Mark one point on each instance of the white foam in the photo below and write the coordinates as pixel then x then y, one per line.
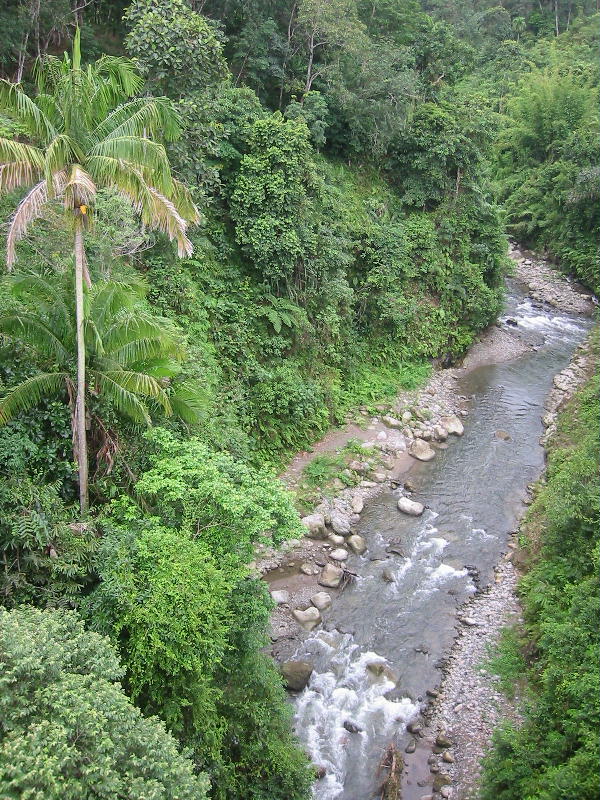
pixel 347 691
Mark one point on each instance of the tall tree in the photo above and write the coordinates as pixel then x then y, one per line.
pixel 132 356
pixel 85 132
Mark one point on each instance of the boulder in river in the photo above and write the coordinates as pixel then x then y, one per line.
pixel 352 727
pixel 453 425
pixel 308 619
pixel 421 450
pixel 411 507
pixel 321 600
pixel 315 526
pixel 388 575
pixel 296 674
pixel 331 576
pixel 357 544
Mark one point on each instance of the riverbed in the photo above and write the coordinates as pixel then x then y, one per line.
pixel 384 642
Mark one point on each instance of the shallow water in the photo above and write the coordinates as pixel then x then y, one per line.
pixel 380 647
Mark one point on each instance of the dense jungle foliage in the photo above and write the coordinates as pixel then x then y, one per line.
pixel 554 754
pixel 339 177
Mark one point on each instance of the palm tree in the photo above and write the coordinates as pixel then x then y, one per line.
pixel 132 356
pixel 84 132
pixel 519 25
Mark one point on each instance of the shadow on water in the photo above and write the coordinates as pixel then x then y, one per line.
pixel 383 641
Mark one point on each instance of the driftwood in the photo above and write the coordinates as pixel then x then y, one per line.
pixel 392 763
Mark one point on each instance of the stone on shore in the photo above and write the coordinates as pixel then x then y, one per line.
pixel 391 422
pixel 321 600
pixel 340 524
pixel 308 619
pixel 296 674
pixel 357 544
pixel 453 425
pixel 331 576
pixel 280 596
pixel 411 507
pixel 339 554
pixel 315 526
pixel 421 450
pixel 357 504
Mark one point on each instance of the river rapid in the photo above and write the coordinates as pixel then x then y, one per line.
pixel 383 642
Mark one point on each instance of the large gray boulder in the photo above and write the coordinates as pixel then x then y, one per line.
pixel 315 526
pixel 296 674
pixel 421 450
pixel 331 576
pixel 411 507
pixel 308 619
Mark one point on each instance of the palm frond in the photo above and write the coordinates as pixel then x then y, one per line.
pixel 142 116
pixel 140 385
pixel 139 150
pixel 128 328
pixel 49 299
pixel 17 173
pixel 189 401
pixel 120 75
pixel 184 204
pixel 28 210
pixel 34 331
pixel 163 216
pixel 12 152
pixel 135 354
pixel 30 392
pixel 62 151
pixel 80 188
pixel 154 208
pixel 123 399
pixel 17 105
pixel 110 299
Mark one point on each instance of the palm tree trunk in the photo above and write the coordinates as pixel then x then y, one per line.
pixel 81 437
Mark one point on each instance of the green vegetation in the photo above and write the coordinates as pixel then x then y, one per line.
pixel 338 177
pixel 68 730
pixel 554 753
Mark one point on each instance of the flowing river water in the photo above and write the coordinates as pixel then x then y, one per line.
pixel 381 644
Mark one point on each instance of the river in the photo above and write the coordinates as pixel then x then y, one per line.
pixel 382 643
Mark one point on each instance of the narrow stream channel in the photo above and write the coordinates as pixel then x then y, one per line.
pixel 380 647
